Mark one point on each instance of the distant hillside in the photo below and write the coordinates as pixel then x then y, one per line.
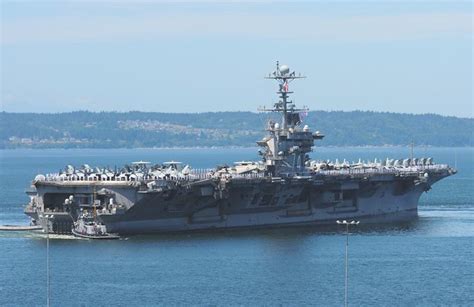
pixel 142 129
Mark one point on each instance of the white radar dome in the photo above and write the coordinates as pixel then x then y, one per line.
pixel 284 69
pixel 40 177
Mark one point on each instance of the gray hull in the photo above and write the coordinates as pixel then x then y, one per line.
pixel 245 202
pixel 375 209
pixel 244 222
pixel 239 202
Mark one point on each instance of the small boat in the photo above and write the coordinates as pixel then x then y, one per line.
pixel 20 227
pixel 87 227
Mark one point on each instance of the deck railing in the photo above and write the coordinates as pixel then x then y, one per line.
pixel 204 173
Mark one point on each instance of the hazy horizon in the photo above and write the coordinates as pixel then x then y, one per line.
pixel 228 111
pixel 202 56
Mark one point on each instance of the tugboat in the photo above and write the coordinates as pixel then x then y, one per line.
pixel 87 227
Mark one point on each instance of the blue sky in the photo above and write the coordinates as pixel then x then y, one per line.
pixel 396 56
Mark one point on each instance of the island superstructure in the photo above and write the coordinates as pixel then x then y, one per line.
pixel 284 188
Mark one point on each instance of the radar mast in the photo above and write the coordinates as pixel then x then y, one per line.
pixel 285 149
pixel 283 76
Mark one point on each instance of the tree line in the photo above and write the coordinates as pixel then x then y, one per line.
pixel 136 129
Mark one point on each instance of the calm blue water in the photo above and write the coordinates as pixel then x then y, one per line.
pixel 426 262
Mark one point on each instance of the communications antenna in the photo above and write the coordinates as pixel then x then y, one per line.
pixel 283 76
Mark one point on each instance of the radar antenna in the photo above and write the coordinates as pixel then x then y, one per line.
pixel 283 76
pixel 285 149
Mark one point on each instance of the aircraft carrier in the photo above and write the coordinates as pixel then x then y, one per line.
pixel 283 188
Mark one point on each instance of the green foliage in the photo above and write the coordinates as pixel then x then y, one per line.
pixel 144 129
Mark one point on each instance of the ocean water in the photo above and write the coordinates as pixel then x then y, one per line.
pixel 427 262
